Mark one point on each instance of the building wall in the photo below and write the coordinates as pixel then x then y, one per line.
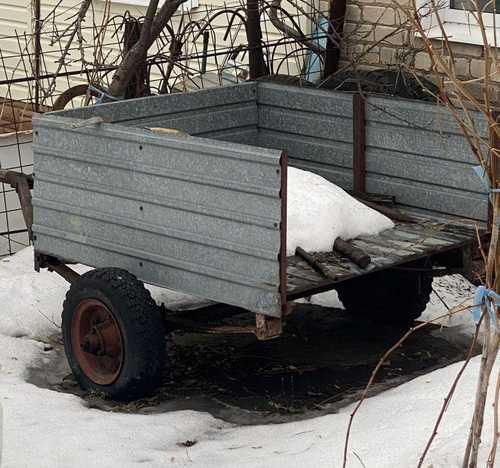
pixel 378 35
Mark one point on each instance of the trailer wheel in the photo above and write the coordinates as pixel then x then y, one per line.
pixel 81 91
pixel 113 334
pixel 389 296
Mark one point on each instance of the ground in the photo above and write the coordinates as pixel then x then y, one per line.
pixel 237 402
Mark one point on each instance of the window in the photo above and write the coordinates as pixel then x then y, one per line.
pixel 459 22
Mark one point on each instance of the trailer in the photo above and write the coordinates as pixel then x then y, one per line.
pixel 189 192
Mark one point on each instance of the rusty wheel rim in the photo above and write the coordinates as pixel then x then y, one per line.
pixel 97 341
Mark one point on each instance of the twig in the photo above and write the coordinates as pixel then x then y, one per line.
pixel 375 372
pixel 490 351
pixel 449 396
pixel 441 299
pixel 58 327
pixel 496 434
pixel 359 459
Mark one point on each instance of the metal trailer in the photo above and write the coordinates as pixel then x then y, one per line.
pixel 202 209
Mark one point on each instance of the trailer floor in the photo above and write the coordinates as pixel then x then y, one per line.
pixel 404 243
pixel 319 365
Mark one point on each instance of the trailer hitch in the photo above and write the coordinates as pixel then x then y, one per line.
pixel 22 183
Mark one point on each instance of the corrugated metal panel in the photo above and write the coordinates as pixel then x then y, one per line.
pixel 414 150
pixel 417 114
pixel 417 152
pixel 228 113
pixel 192 214
pixel 314 127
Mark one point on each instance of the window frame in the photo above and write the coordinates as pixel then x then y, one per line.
pixel 460 25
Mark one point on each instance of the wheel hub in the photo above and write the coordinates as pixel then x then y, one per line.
pixel 97 341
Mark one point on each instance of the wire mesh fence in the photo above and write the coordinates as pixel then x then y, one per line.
pixel 74 51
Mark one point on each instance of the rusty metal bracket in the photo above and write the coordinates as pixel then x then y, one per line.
pixel 22 183
pixel 55 265
pixel 266 327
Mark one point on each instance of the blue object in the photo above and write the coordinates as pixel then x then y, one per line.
pixel 312 66
pixel 480 299
pixel 103 95
pixel 481 173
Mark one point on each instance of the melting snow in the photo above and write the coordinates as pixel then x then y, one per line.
pixel 43 428
pixel 319 212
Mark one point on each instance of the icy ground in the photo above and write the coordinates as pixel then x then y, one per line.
pixel 44 428
pixel 318 207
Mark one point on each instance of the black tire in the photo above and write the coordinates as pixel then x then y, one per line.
pixel 397 296
pixel 141 358
pixel 287 80
pixel 67 96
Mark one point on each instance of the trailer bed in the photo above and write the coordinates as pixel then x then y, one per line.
pixel 404 243
pixel 205 211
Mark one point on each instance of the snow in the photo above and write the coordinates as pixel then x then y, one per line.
pixel 44 428
pixel 326 299
pixel 29 298
pixel 456 292
pixel 34 300
pixel 319 212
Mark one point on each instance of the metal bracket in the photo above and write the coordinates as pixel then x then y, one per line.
pixel 266 327
pixel 53 264
pixel 22 183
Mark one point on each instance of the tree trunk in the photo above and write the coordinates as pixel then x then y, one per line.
pixel 136 56
pixel 335 33
pixel 492 334
pixel 256 61
pixel 138 85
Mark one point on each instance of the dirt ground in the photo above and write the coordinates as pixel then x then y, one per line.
pixel 320 364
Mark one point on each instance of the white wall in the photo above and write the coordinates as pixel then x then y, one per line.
pixel 15 154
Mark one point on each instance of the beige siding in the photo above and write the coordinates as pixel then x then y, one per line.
pixel 15 17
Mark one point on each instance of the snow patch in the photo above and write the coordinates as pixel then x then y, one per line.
pixel 326 299
pixel 177 301
pixel 454 291
pixel 44 428
pixel 31 302
pixel 319 212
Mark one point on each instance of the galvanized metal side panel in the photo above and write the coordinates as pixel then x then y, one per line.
pixel 414 150
pixel 313 126
pixel 192 214
pixel 305 99
pixel 417 152
pixel 430 197
pixel 418 114
pixel 226 113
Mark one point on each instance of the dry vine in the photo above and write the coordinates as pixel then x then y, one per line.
pixel 384 358
pixel 469 110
